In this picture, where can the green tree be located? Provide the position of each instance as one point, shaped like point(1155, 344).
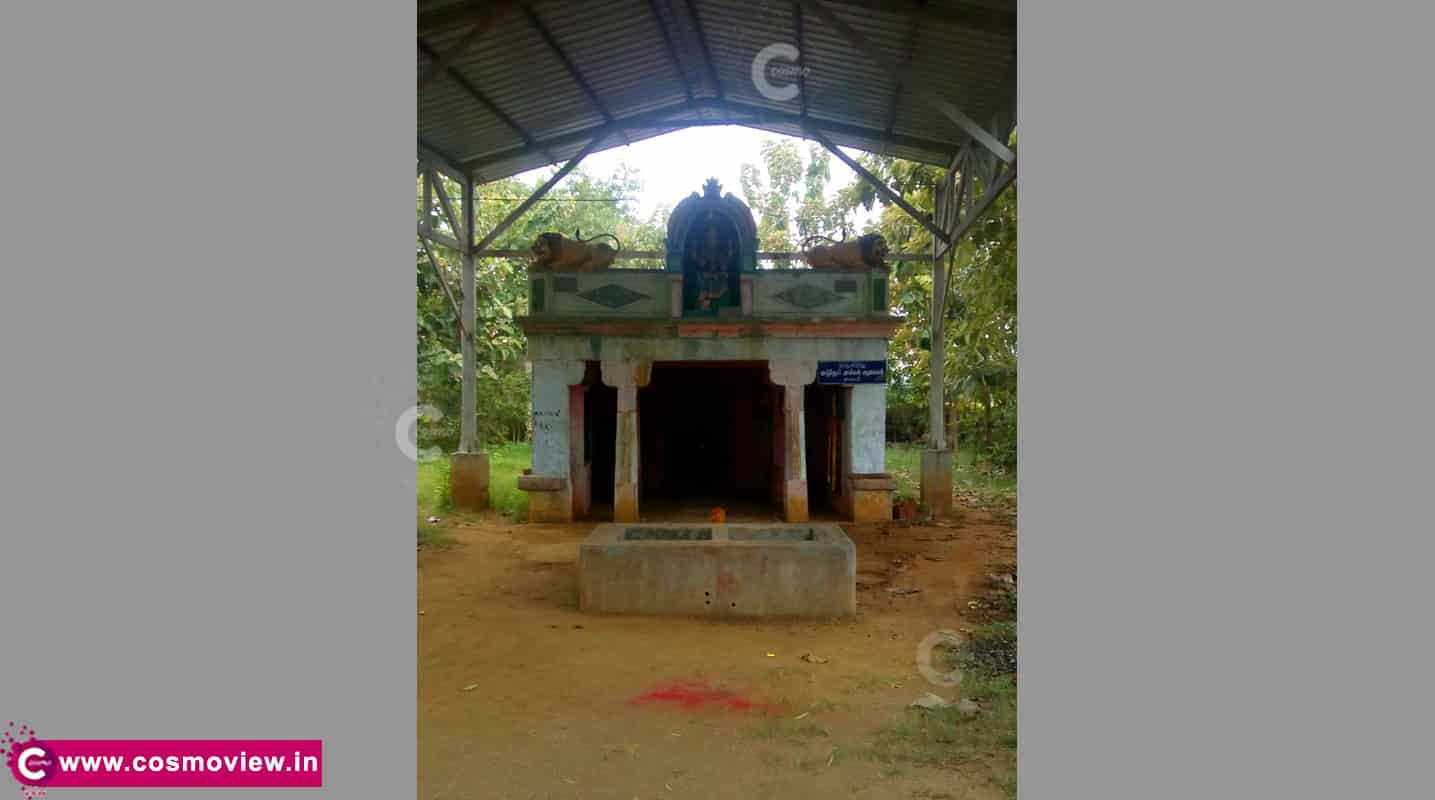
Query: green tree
point(784, 182)
point(980, 308)
point(581, 203)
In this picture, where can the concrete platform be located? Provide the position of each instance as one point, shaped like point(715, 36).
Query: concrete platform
point(757, 570)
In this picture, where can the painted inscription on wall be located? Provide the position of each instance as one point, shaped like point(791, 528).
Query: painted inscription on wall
point(547, 421)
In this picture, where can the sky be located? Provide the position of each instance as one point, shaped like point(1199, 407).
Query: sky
point(674, 165)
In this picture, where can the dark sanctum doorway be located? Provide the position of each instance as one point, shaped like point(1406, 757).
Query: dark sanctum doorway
point(824, 409)
point(705, 429)
point(599, 437)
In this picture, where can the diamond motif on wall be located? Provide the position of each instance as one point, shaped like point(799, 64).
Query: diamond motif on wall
point(612, 295)
point(807, 296)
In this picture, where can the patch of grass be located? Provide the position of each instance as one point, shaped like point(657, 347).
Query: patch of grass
point(433, 499)
point(984, 744)
point(946, 657)
point(904, 463)
point(997, 602)
point(990, 650)
point(1003, 602)
point(434, 536)
point(505, 463)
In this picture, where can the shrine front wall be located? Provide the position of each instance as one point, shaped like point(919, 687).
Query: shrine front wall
point(603, 293)
point(658, 294)
point(668, 348)
point(806, 292)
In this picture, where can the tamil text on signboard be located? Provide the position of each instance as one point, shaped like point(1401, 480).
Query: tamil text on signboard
point(852, 372)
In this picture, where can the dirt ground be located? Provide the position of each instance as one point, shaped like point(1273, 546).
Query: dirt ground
point(521, 695)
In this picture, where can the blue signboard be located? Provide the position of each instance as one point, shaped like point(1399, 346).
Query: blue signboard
point(848, 372)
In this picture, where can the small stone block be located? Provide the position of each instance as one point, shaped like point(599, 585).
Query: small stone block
point(542, 483)
point(874, 481)
point(937, 482)
point(550, 506)
point(468, 480)
point(871, 505)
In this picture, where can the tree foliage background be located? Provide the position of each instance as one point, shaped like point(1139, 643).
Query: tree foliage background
point(788, 195)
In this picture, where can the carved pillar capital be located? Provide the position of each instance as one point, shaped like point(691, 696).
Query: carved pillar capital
point(791, 372)
point(566, 373)
point(626, 374)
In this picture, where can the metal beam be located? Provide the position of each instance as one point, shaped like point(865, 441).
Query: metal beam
point(567, 62)
point(444, 60)
point(908, 51)
point(882, 188)
point(963, 15)
point(862, 44)
point(440, 160)
point(785, 118)
point(672, 48)
point(652, 255)
point(573, 71)
point(955, 188)
point(707, 51)
point(951, 216)
point(538, 194)
point(452, 301)
point(937, 348)
point(586, 134)
point(443, 200)
point(970, 16)
point(484, 100)
point(983, 205)
point(451, 16)
point(976, 213)
point(801, 58)
point(653, 119)
point(468, 399)
point(439, 237)
point(426, 172)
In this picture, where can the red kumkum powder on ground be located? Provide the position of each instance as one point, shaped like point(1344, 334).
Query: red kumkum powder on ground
point(697, 696)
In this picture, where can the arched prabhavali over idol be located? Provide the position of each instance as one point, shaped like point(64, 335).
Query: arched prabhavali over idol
point(712, 238)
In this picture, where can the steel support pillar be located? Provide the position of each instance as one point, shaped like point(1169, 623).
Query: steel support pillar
point(936, 477)
point(468, 468)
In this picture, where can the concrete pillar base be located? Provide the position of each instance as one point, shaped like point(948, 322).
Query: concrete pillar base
point(794, 501)
point(871, 497)
point(625, 503)
point(468, 481)
point(549, 498)
point(937, 482)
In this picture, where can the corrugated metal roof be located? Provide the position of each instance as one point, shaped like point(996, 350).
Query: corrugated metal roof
point(543, 77)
